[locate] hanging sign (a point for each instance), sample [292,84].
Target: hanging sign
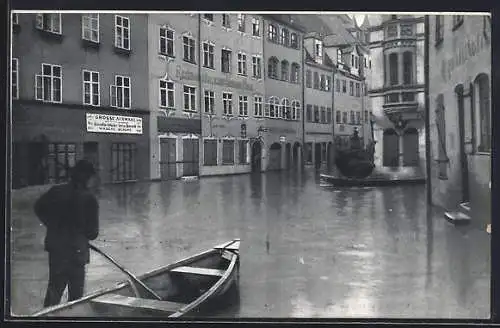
[103,123]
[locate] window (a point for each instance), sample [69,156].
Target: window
[392,31]
[285,37]
[358,117]
[366,116]
[295,110]
[344,117]
[208,55]
[272,33]
[243,151]
[256,67]
[294,41]
[352,60]
[287,110]
[227,103]
[407,67]
[49,22]
[352,117]
[228,152]
[167,94]
[439,29]
[344,86]
[189,98]
[365,62]
[322,82]
[316,114]
[316,80]
[225,21]
[328,83]
[328,115]
[209,98]
[189,49]
[338,85]
[241,22]
[48,85]
[308,79]
[122,32]
[309,113]
[209,17]
[370,63]
[90,27]
[255,27]
[226,61]
[243,105]
[408,96]
[274,106]
[318,49]
[356,63]
[123,162]
[338,117]
[284,70]
[339,56]
[406,30]
[323,114]
[60,158]
[15,78]
[242,64]
[257,106]
[483,86]
[393,69]
[309,154]
[120,92]
[167,41]
[273,68]
[351,88]
[357,90]
[91,88]
[394,16]
[210,152]
[457,20]
[295,73]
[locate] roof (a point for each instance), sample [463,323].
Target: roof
[287,20]
[326,62]
[312,23]
[339,35]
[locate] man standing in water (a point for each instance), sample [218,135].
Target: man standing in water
[70,212]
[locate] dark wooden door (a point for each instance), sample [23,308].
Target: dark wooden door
[391,148]
[410,147]
[168,160]
[190,158]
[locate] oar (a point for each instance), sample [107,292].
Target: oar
[133,279]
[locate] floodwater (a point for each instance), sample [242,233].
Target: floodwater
[307,250]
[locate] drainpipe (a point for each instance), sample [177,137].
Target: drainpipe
[303,105]
[427,112]
[200,93]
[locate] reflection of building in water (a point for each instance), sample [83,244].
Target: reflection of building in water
[78,92]
[460,113]
[396,89]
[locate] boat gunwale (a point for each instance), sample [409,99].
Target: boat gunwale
[125,283]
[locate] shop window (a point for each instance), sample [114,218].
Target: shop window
[210,152]
[123,162]
[228,152]
[60,158]
[243,151]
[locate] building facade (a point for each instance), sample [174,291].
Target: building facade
[396,89]
[282,129]
[318,114]
[460,112]
[79,89]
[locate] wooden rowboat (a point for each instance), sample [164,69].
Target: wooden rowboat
[186,288]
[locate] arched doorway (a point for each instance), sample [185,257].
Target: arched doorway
[257,156]
[297,155]
[391,148]
[274,157]
[317,154]
[459,91]
[410,147]
[288,156]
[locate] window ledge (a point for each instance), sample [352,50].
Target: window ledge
[122,51]
[90,44]
[166,55]
[190,61]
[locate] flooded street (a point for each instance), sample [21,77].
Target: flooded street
[307,250]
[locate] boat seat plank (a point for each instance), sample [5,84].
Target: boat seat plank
[199,271]
[135,302]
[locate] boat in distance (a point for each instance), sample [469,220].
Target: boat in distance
[185,288]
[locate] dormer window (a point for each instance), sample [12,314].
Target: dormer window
[339,56]
[318,49]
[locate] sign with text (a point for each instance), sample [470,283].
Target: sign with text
[104,123]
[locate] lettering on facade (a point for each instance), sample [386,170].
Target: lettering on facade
[470,48]
[207,79]
[104,123]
